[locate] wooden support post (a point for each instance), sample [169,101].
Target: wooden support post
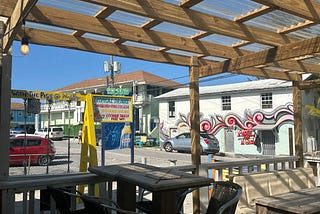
[5,95]
[297,123]
[6,202]
[195,124]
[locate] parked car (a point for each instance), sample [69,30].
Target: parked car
[14,132]
[54,133]
[182,142]
[36,149]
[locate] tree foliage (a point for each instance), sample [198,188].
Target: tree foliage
[314,110]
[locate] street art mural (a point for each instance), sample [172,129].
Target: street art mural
[244,125]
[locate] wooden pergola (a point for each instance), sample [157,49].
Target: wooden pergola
[268,39]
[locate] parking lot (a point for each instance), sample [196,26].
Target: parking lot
[61,163]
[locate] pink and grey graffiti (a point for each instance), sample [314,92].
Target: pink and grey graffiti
[279,116]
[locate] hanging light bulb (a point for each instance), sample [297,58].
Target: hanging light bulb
[24,49]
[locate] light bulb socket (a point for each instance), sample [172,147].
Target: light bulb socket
[25,40]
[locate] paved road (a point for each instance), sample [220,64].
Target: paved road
[153,156]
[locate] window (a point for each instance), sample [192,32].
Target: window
[172,109]
[266,100]
[226,102]
[32,142]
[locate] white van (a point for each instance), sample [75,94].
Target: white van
[55,132]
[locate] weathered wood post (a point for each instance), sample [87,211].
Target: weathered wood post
[297,123]
[195,124]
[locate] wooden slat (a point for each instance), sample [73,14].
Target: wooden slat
[189,3]
[296,49]
[241,44]
[20,11]
[253,14]
[268,73]
[197,20]
[306,9]
[102,14]
[150,24]
[296,27]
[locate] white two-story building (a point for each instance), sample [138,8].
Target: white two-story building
[254,117]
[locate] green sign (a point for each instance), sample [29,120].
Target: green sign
[118,91]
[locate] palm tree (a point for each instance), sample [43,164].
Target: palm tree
[314,110]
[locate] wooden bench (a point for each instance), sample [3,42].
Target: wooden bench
[257,185]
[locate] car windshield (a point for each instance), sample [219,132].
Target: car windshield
[205,135]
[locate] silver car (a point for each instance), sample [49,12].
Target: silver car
[182,142]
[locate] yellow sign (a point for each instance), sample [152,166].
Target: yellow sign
[41,95]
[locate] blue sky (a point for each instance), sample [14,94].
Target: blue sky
[49,68]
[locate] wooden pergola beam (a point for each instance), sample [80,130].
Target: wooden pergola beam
[306,9]
[197,20]
[42,37]
[62,18]
[67,41]
[284,52]
[13,24]
[309,84]
[84,23]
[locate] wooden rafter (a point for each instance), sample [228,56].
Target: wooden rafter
[189,3]
[308,84]
[197,20]
[93,25]
[292,50]
[253,14]
[241,44]
[20,11]
[125,32]
[68,41]
[306,9]
[296,27]
[102,14]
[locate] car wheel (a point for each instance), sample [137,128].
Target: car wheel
[168,147]
[44,160]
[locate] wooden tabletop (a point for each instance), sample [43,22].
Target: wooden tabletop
[151,177]
[302,201]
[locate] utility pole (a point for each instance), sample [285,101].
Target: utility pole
[112,67]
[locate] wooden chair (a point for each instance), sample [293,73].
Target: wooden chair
[62,198]
[91,204]
[224,198]
[146,205]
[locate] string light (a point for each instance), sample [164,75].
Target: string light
[24,49]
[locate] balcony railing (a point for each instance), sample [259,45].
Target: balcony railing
[30,185]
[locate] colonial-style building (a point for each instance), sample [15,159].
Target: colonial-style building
[19,118]
[144,86]
[254,117]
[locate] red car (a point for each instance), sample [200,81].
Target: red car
[36,150]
